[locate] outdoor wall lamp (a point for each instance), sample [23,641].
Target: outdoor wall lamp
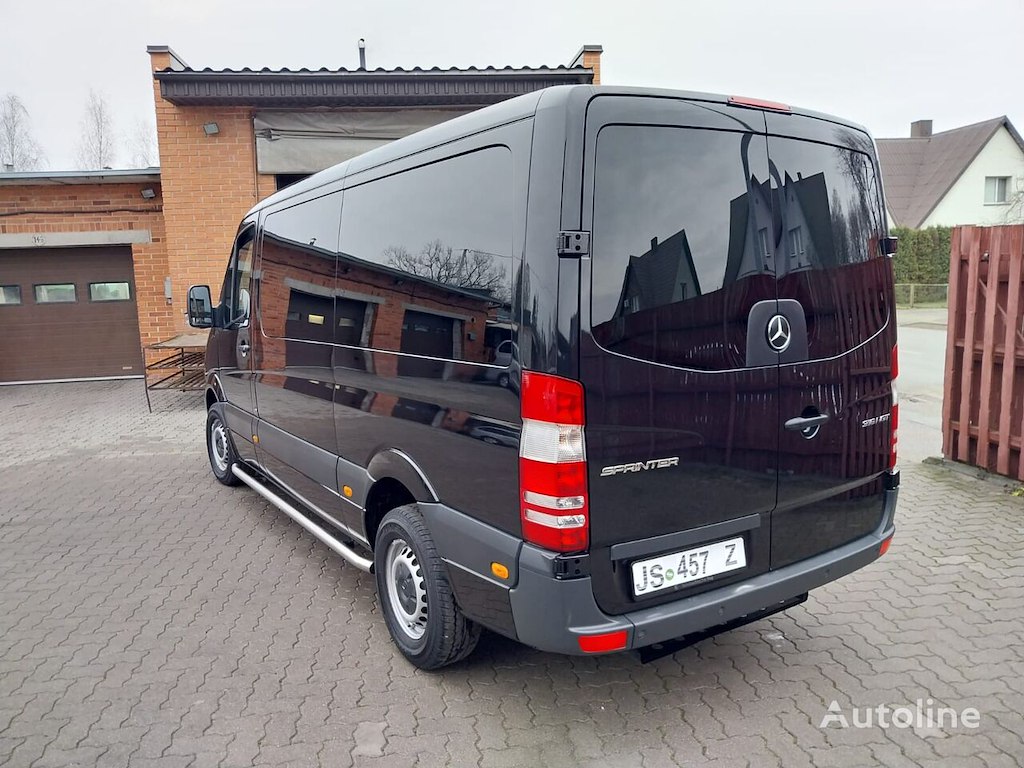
[148,193]
[211,129]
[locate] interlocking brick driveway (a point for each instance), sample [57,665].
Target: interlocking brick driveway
[151,617]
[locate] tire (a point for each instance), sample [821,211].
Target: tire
[221,449]
[415,597]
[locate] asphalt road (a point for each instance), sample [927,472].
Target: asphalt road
[922,345]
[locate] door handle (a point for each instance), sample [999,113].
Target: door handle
[801,423]
[243,347]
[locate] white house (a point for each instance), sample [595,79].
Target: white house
[968,175]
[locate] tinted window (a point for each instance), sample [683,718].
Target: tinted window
[827,206]
[682,220]
[431,250]
[55,293]
[10,294]
[109,292]
[297,264]
[827,222]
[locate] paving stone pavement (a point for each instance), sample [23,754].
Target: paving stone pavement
[152,617]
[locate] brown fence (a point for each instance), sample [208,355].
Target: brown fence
[983,402]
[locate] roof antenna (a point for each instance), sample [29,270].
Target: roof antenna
[362,54]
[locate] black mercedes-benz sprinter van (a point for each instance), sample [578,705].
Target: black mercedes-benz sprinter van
[594,368]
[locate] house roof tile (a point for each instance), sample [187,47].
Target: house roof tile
[918,172]
[470,86]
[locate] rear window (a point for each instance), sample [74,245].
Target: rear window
[828,222]
[692,227]
[672,210]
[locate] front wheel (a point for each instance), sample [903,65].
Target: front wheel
[221,449]
[415,597]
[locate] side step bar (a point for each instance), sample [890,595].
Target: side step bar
[336,546]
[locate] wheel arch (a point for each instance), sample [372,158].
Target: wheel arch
[395,480]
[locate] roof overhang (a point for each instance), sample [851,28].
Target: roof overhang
[361,88]
[106,176]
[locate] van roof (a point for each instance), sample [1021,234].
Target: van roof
[491,117]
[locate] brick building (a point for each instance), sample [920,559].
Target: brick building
[64,239]
[227,139]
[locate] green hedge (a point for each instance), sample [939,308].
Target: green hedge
[923,255]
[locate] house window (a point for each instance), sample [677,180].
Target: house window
[796,242]
[997,190]
[10,294]
[55,293]
[110,292]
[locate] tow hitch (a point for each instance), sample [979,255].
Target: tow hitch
[667,648]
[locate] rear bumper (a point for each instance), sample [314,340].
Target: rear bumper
[552,614]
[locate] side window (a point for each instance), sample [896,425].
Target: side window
[428,253]
[298,251]
[236,296]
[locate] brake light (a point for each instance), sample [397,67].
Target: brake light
[745,101]
[894,414]
[553,500]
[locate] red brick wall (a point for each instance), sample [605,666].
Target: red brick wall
[592,60]
[266,185]
[39,209]
[209,183]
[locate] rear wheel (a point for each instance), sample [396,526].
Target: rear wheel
[415,596]
[221,449]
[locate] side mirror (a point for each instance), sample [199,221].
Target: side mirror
[200,307]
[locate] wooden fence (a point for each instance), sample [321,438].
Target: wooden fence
[983,399]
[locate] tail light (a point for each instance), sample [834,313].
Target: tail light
[553,500]
[894,414]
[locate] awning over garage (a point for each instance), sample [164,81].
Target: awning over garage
[307,142]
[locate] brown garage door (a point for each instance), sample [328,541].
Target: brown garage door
[67,313]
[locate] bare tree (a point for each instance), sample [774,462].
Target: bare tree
[463,268]
[96,144]
[18,148]
[141,144]
[1015,203]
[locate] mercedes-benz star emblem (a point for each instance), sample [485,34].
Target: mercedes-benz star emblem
[779,333]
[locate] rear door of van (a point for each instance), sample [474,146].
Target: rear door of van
[736,343]
[682,388]
[835,289]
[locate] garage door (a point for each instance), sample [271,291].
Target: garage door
[68,313]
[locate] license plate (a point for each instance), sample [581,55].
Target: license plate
[668,571]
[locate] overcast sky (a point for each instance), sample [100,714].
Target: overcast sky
[882,63]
